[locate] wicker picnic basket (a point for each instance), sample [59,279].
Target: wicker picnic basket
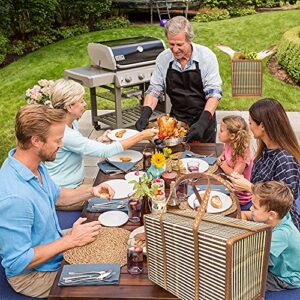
[195,255]
[246,78]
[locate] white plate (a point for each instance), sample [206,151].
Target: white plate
[122,188]
[135,175]
[203,165]
[131,240]
[113,218]
[226,200]
[134,155]
[128,133]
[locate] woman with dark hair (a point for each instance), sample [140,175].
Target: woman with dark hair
[278,152]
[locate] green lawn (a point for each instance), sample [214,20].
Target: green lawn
[253,33]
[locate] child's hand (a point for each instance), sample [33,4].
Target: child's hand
[104,138]
[220,160]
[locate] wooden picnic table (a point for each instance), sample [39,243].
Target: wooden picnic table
[134,287]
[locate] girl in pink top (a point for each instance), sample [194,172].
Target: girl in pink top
[237,156]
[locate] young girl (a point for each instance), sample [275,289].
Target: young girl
[237,156]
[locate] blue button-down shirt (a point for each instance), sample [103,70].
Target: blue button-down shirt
[208,65]
[28,218]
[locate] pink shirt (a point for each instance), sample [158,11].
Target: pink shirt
[244,197]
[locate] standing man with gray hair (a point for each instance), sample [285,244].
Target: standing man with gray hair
[189,74]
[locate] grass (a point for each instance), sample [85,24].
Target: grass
[254,33]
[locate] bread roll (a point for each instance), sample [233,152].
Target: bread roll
[216,202]
[125,158]
[120,133]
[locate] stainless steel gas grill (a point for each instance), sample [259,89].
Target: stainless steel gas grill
[116,65]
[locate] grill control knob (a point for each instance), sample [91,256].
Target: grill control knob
[141,76]
[128,78]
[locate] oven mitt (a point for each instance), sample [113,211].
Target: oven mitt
[198,129]
[143,121]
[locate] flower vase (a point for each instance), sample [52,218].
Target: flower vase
[154,171]
[145,209]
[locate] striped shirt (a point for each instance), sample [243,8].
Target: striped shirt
[278,164]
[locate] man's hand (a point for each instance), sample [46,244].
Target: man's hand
[143,121]
[197,130]
[103,188]
[84,233]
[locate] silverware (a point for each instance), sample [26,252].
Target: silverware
[198,155]
[93,276]
[116,202]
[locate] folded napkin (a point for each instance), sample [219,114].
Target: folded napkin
[110,167]
[104,208]
[209,159]
[114,279]
[214,187]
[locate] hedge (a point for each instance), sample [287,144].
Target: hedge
[288,52]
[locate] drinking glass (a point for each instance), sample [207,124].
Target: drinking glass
[134,209]
[147,154]
[193,167]
[135,260]
[158,205]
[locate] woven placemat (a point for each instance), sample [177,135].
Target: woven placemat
[109,247]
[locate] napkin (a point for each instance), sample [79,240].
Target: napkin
[209,159]
[215,187]
[114,279]
[104,208]
[110,167]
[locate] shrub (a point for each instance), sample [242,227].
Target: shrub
[241,11]
[66,32]
[288,52]
[5,16]
[3,47]
[17,47]
[211,14]
[267,3]
[115,22]
[32,16]
[74,12]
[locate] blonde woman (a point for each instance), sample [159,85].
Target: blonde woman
[67,170]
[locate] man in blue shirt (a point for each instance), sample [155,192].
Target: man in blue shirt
[272,201]
[30,236]
[189,74]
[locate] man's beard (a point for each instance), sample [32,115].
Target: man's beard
[45,156]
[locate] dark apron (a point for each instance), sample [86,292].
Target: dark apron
[185,90]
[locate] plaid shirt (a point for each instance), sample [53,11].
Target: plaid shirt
[277,164]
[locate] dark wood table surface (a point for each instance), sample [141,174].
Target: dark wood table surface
[131,286]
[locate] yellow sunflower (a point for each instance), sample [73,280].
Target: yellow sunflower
[158,159]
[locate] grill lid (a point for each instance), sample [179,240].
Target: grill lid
[125,53]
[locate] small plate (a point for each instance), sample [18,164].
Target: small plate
[113,218]
[134,155]
[128,133]
[203,165]
[135,175]
[226,200]
[131,240]
[121,187]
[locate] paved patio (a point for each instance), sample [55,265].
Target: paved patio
[86,128]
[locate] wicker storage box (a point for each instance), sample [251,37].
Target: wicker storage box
[206,256]
[246,78]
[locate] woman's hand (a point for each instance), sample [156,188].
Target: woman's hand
[104,138]
[103,188]
[240,183]
[150,133]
